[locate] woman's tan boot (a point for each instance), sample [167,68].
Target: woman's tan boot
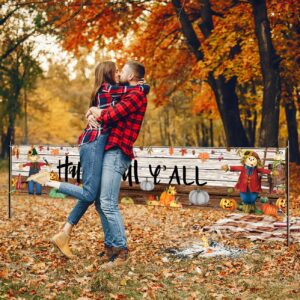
[61,241]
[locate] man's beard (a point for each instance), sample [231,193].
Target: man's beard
[124,82]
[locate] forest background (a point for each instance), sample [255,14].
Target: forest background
[222,73]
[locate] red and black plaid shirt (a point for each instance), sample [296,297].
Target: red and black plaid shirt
[126,117]
[107,96]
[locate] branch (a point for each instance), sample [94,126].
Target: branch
[188,30]
[3,20]
[26,36]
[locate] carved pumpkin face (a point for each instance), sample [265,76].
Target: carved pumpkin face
[228,204]
[53,176]
[281,202]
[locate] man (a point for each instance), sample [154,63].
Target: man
[126,119]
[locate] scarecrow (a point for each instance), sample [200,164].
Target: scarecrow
[34,168]
[249,182]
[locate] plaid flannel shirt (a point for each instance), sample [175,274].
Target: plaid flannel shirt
[126,117]
[107,96]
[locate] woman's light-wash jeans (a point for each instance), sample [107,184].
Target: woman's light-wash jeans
[101,177]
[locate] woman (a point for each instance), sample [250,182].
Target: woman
[92,143]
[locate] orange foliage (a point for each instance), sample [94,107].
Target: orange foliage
[150,32]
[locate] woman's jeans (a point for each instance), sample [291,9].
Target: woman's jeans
[101,177]
[115,163]
[91,158]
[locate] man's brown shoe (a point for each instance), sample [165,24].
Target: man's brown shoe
[106,254]
[120,257]
[61,241]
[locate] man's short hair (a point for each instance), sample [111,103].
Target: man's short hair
[137,68]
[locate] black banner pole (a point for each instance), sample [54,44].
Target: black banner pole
[288,193]
[9,181]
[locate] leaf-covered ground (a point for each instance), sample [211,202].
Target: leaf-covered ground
[30,268]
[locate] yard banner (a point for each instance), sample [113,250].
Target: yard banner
[210,177]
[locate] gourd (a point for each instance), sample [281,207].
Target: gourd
[264,200]
[127,200]
[198,197]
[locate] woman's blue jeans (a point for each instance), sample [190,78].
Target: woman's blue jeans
[91,159]
[101,177]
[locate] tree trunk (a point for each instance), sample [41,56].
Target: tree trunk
[162,136]
[227,102]
[9,137]
[290,112]
[269,62]
[197,129]
[25,141]
[225,93]
[211,131]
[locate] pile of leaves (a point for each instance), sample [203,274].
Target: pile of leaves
[30,268]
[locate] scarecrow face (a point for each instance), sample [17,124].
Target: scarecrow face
[251,161]
[32,156]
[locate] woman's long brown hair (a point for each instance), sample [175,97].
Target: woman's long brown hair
[104,72]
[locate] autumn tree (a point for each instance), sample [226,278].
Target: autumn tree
[19,72]
[213,42]
[269,62]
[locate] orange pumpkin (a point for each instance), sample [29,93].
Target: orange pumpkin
[54,176]
[269,209]
[281,203]
[168,196]
[228,204]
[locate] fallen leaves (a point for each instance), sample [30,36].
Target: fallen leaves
[31,266]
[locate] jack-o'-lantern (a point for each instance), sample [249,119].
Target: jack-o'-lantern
[54,176]
[228,204]
[281,203]
[168,196]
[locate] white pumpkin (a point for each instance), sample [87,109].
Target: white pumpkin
[198,197]
[147,185]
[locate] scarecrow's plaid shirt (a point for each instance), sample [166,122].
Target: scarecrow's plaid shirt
[107,96]
[126,117]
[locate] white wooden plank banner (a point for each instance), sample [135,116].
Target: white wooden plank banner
[185,166]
